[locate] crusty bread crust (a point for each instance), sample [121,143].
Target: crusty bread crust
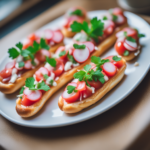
[130,57]
[78,106]
[29,111]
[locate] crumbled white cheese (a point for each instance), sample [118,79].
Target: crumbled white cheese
[68,46]
[55,55]
[75,80]
[54,83]
[47,66]
[82,37]
[13,78]
[93,89]
[96,48]
[137,53]
[50,78]
[136,64]
[75,65]
[68,65]
[106,78]
[14,71]
[57,78]
[19,58]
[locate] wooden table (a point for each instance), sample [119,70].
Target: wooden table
[125,126]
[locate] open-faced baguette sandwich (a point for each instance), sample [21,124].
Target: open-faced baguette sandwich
[23,65]
[92,83]
[73,14]
[127,44]
[54,38]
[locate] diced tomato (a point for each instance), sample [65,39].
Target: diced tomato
[41,55]
[6,73]
[60,49]
[96,84]
[58,70]
[119,47]
[81,86]
[25,101]
[32,37]
[27,44]
[118,64]
[109,69]
[70,98]
[87,92]
[39,73]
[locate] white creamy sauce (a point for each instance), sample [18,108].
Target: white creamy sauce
[137,53]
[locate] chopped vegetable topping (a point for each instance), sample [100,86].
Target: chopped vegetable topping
[51,61]
[70,57]
[129,38]
[62,53]
[76,46]
[71,89]
[116,58]
[77,12]
[126,53]
[41,85]
[93,31]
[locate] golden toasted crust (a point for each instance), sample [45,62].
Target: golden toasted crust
[130,57]
[29,111]
[78,106]
[54,48]
[12,87]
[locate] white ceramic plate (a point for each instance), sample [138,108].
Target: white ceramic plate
[51,116]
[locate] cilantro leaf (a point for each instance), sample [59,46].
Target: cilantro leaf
[93,31]
[76,26]
[70,89]
[105,18]
[13,53]
[126,53]
[21,64]
[62,53]
[87,68]
[25,53]
[70,57]
[141,35]
[76,46]
[95,59]
[116,58]
[45,76]
[129,38]
[51,61]
[79,75]
[21,91]
[51,82]
[43,44]
[30,83]
[102,80]
[43,86]
[19,45]
[77,12]
[114,17]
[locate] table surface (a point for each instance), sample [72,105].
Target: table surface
[125,126]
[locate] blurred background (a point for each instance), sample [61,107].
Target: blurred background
[14,13]
[18,18]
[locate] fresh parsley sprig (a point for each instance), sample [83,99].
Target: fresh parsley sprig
[93,31]
[76,46]
[77,12]
[140,35]
[116,58]
[98,61]
[51,61]
[41,85]
[71,89]
[129,38]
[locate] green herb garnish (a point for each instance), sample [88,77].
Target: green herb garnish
[129,38]
[51,61]
[76,46]
[21,64]
[70,57]
[105,18]
[116,58]
[93,31]
[71,89]
[126,53]
[41,86]
[21,91]
[62,53]
[77,12]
